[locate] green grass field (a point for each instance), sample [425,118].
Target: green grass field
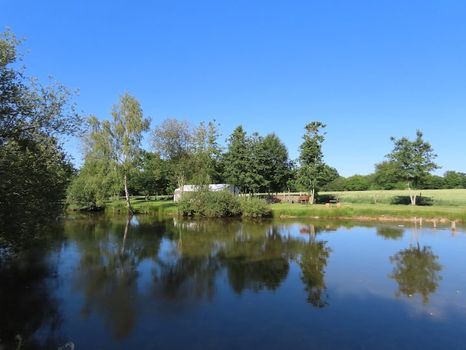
[370,211]
[456,197]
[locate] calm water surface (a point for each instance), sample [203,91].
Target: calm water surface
[109,283]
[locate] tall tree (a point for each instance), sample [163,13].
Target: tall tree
[414,160]
[206,154]
[34,169]
[114,145]
[126,129]
[173,140]
[236,159]
[27,108]
[311,159]
[275,165]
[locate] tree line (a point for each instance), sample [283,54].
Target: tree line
[185,154]
[37,174]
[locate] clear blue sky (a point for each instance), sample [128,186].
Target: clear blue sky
[368,69]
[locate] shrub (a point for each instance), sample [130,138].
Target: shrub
[221,204]
[254,207]
[209,204]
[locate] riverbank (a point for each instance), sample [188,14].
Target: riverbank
[142,206]
[347,211]
[375,212]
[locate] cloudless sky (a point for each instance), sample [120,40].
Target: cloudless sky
[368,69]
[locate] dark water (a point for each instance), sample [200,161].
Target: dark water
[111,284]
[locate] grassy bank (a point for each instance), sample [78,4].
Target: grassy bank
[456,197]
[370,212]
[142,206]
[355,206]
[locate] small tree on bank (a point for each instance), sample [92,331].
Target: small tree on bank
[311,159]
[413,162]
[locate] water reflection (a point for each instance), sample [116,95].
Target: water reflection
[125,275]
[107,271]
[416,270]
[27,303]
[390,232]
[313,261]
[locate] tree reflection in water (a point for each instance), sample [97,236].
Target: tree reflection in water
[416,270]
[107,272]
[27,303]
[313,260]
[390,232]
[254,256]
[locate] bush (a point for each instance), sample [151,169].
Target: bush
[221,204]
[254,207]
[209,204]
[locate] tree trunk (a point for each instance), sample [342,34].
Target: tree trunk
[412,195]
[128,202]
[312,196]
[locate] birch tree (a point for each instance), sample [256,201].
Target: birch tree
[126,129]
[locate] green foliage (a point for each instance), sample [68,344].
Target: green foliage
[112,151]
[93,185]
[237,160]
[193,154]
[254,207]
[205,155]
[311,172]
[34,169]
[27,108]
[275,165]
[172,139]
[209,204]
[433,182]
[358,183]
[151,177]
[34,176]
[221,204]
[386,176]
[412,160]
[454,179]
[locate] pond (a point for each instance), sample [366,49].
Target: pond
[106,282]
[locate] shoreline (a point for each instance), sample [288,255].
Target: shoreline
[357,212]
[373,212]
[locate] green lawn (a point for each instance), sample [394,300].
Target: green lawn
[357,210]
[142,206]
